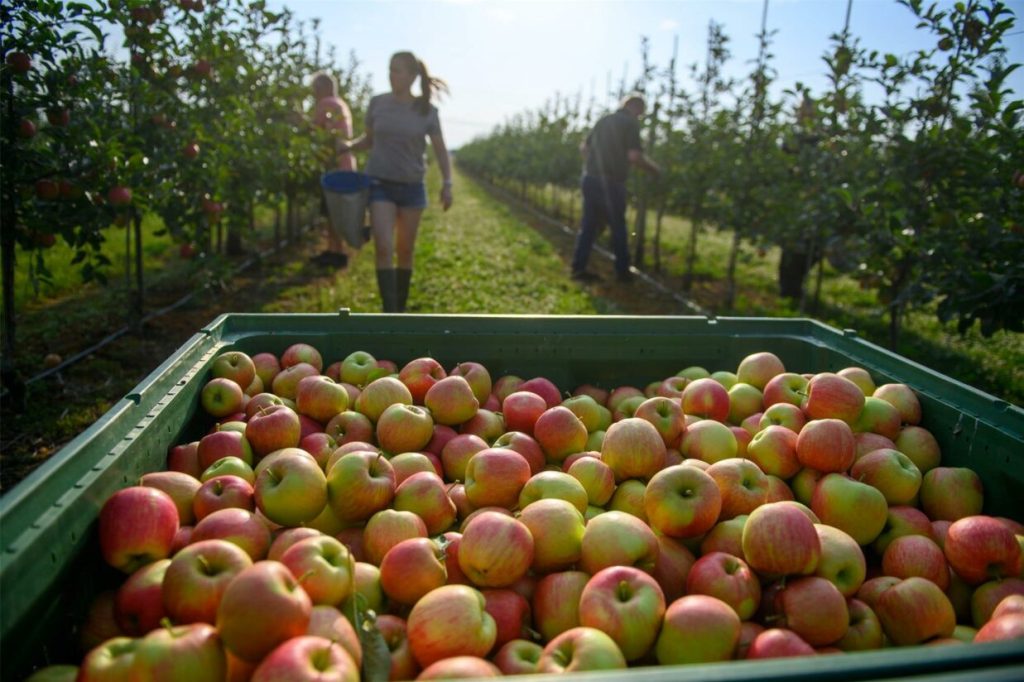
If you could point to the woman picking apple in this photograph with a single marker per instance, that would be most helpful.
(398, 124)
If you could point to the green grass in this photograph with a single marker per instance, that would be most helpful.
(994, 365)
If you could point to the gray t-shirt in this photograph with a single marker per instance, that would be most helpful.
(399, 139)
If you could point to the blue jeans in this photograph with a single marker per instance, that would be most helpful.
(401, 194)
(604, 201)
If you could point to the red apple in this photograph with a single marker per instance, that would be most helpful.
(633, 448)
(387, 528)
(403, 665)
(292, 489)
(779, 539)
(842, 561)
(706, 398)
(826, 445)
(457, 667)
(238, 526)
(1008, 627)
(411, 569)
(525, 445)
(682, 501)
(581, 649)
(478, 378)
(878, 417)
(451, 401)
(916, 555)
(783, 414)
(495, 477)
(729, 579)
(596, 477)
(137, 526)
(223, 492)
(892, 473)
(518, 657)
(302, 352)
(138, 605)
(854, 507)
(320, 398)
(450, 621)
(743, 486)
(307, 658)
(709, 441)
(920, 446)
(757, 369)
(698, 629)
(813, 608)
(616, 538)
(197, 577)
(221, 397)
(787, 387)
(426, 495)
(859, 376)
(324, 567)
(830, 396)
(286, 382)
(263, 607)
(951, 493)
(627, 604)
(188, 652)
(560, 433)
(350, 427)
(864, 632)
(980, 548)
(915, 610)
(903, 398)
(273, 428)
(496, 550)
(556, 527)
(360, 484)
(779, 643)
(522, 409)
(555, 602)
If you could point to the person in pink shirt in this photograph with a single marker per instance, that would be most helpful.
(331, 113)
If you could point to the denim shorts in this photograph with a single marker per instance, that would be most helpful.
(402, 194)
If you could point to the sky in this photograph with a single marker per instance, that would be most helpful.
(503, 57)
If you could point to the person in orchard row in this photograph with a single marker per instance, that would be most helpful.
(331, 113)
(398, 124)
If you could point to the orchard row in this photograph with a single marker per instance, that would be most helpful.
(361, 517)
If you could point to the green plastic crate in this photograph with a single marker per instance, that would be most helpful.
(50, 565)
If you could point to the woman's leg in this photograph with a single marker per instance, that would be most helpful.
(382, 217)
(407, 226)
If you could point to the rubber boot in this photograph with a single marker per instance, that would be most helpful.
(386, 284)
(402, 279)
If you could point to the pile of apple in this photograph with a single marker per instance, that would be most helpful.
(480, 527)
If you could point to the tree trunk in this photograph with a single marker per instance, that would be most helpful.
(140, 284)
(277, 223)
(691, 251)
(730, 286)
(657, 236)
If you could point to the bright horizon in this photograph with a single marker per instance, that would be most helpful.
(503, 57)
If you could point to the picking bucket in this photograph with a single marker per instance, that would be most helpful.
(346, 194)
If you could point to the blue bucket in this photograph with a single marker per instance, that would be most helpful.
(346, 194)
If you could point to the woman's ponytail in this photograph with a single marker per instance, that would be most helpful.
(429, 86)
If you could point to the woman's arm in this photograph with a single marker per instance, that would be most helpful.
(444, 162)
(360, 144)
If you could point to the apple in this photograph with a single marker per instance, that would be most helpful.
(137, 526)
(864, 632)
(706, 398)
(451, 620)
(725, 536)
(743, 486)
(236, 366)
(229, 466)
(682, 501)
(387, 528)
(273, 428)
(223, 492)
(368, 593)
(20, 62)
(872, 589)
(869, 442)
(560, 433)
(323, 566)
(238, 526)
(980, 548)
(546, 389)
(261, 608)
(951, 493)
(786, 387)
(709, 441)
(783, 414)
(841, 561)
(859, 376)
(511, 613)
(495, 477)
(813, 608)
(596, 477)
(672, 387)
(779, 539)
(595, 416)
(892, 472)
(1012, 602)
(220, 444)
(617, 538)
(286, 382)
(458, 451)
(259, 401)
(267, 367)
(349, 427)
(525, 445)
(518, 657)
(508, 384)
(726, 578)
(356, 367)
(138, 604)
(697, 629)
(627, 604)
(307, 658)
(442, 434)
(988, 596)
(380, 394)
(359, 485)
(773, 450)
(627, 407)
(197, 577)
(666, 415)
(803, 484)
(916, 555)
(878, 417)
(778, 643)
(221, 397)
(744, 400)
(451, 401)
(292, 489)
(629, 498)
(192, 652)
(522, 409)
(486, 423)
(456, 667)
(299, 353)
(554, 485)
(902, 520)
(419, 375)
(496, 550)
(581, 649)
(903, 398)
(426, 495)
(113, 660)
(184, 458)
(856, 508)
(119, 196)
(555, 602)
(920, 446)
(915, 610)
(411, 569)
(320, 398)
(179, 486)
(633, 448)
(557, 528)
(403, 428)
(826, 445)
(830, 396)
(478, 378)
(1008, 627)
